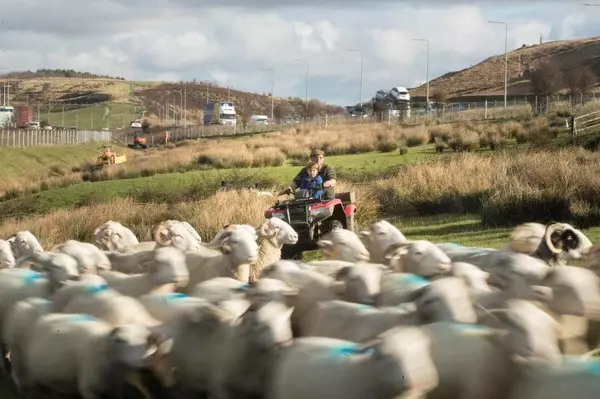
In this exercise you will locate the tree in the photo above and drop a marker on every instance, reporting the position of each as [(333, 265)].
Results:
[(314, 108), (281, 111), (580, 79), (439, 97), (244, 110), (379, 108), (545, 79)]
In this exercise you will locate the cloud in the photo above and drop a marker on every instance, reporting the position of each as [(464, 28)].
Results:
[(233, 43)]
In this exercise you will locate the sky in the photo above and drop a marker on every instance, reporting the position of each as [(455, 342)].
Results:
[(251, 44)]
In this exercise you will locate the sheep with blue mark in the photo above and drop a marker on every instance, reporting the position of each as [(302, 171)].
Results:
[(475, 278), (90, 258), (380, 238), (16, 334), (396, 364), (342, 244), (248, 349), (165, 306), (95, 358), (165, 272), (7, 258)]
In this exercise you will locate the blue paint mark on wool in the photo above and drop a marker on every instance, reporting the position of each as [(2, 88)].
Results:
[(347, 350), (450, 246), (469, 327), (96, 288), (81, 318), (413, 279), (591, 366), (244, 287), (31, 277), (174, 296)]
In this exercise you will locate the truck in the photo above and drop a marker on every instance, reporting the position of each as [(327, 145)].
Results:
[(23, 115), (219, 113), (7, 113)]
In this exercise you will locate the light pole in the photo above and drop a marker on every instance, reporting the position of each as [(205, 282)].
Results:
[(305, 81), (272, 89), (505, 57), (427, 69), (361, 74)]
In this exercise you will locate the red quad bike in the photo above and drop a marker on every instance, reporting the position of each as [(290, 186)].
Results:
[(312, 218)]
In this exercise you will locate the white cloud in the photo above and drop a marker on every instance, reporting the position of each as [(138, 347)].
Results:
[(181, 39)]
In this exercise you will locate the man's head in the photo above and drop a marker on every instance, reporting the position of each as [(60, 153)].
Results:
[(317, 156), (313, 168)]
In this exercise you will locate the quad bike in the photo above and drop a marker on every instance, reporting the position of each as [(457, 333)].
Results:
[(139, 140), (312, 218), (109, 157)]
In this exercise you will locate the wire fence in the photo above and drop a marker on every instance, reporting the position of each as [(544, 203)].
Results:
[(42, 137)]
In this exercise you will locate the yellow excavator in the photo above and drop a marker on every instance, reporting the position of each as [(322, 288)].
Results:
[(109, 157)]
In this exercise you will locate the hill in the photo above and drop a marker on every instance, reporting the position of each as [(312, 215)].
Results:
[(563, 57), (70, 98)]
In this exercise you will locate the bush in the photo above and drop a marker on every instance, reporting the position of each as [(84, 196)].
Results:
[(386, 145)]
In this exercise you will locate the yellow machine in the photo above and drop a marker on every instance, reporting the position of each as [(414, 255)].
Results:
[(109, 157)]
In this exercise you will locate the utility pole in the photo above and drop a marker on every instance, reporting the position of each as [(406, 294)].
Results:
[(361, 75), (505, 58), (427, 71), (185, 104), (272, 90), (305, 81)]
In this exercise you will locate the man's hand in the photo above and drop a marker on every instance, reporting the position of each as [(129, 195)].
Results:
[(286, 191), (329, 183)]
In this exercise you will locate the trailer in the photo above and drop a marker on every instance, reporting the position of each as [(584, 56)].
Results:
[(23, 116), (219, 113)]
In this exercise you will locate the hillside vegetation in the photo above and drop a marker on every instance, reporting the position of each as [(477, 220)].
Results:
[(487, 77)]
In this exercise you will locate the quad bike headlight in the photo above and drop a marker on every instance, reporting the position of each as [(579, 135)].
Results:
[(321, 212), (278, 215)]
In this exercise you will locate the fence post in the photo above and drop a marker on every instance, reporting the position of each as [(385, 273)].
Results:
[(573, 129)]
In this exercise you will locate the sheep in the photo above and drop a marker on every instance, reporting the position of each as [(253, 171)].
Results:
[(475, 278), (555, 243), (238, 250), (445, 299), (342, 244), (7, 258), (247, 350), (164, 307), (379, 238), (89, 257), (214, 243), (272, 235), (419, 257), (113, 236), (24, 243), (362, 282), (166, 272), (95, 357), (17, 330), (396, 363)]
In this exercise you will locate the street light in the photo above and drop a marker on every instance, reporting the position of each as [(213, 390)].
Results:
[(505, 58), (427, 73), (272, 88), (361, 74), (306, 80)]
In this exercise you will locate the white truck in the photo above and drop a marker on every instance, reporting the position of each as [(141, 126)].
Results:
[(219, 113)]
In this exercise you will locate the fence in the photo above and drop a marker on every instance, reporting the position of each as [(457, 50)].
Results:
[(584, 123), (41, 137)]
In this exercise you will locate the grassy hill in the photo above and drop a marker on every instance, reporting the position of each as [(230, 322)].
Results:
[(89, 101), (487, 77)]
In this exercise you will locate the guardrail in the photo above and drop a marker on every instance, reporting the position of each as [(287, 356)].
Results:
[(582, 123), (42, 137)]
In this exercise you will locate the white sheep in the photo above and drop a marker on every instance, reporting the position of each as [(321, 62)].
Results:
[(24, 243), (396, 364), (342, 244), (95, 357), (7, 258), (214, 243), (475, 278), (247, 350), (555, 243), (18, 324), (379, 238), (113, 236), (362, 282), (91, 259), (164, 306), (273, 234), (420, 257), (166, 272), (238, 250)]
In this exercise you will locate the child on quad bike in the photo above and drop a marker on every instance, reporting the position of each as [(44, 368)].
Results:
[(313, 182)]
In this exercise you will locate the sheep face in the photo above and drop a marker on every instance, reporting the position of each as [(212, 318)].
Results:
[(379, 238), (89, 257), (268, 325), (362, 283), (133, 345), (575, 291), (7, 258), (403, 356), (60, 267), (230, 228), (24, 243), (266, 290), (169, 267), (446, 299), (239, 245), (341, 244), (420, 257), (177, 234), (112, 236), (279, 230)]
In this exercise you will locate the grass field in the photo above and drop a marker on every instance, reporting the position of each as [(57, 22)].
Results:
[(92, 117)]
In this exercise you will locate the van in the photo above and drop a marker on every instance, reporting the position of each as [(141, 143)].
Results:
[(259, 119)]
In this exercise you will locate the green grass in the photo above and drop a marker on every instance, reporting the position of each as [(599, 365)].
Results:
[(92, 117)]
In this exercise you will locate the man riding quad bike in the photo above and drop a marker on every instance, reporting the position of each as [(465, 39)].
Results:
[(316, 209)]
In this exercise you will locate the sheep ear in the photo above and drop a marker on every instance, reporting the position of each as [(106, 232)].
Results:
[(364, 233), (343, 273), (265, 229), (326, 246), (226, 248), (339, 287)]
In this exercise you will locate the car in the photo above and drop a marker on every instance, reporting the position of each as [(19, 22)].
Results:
[(312, 218), (400, 93)]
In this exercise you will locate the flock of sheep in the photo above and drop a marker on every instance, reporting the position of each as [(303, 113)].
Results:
[(381, 316)]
